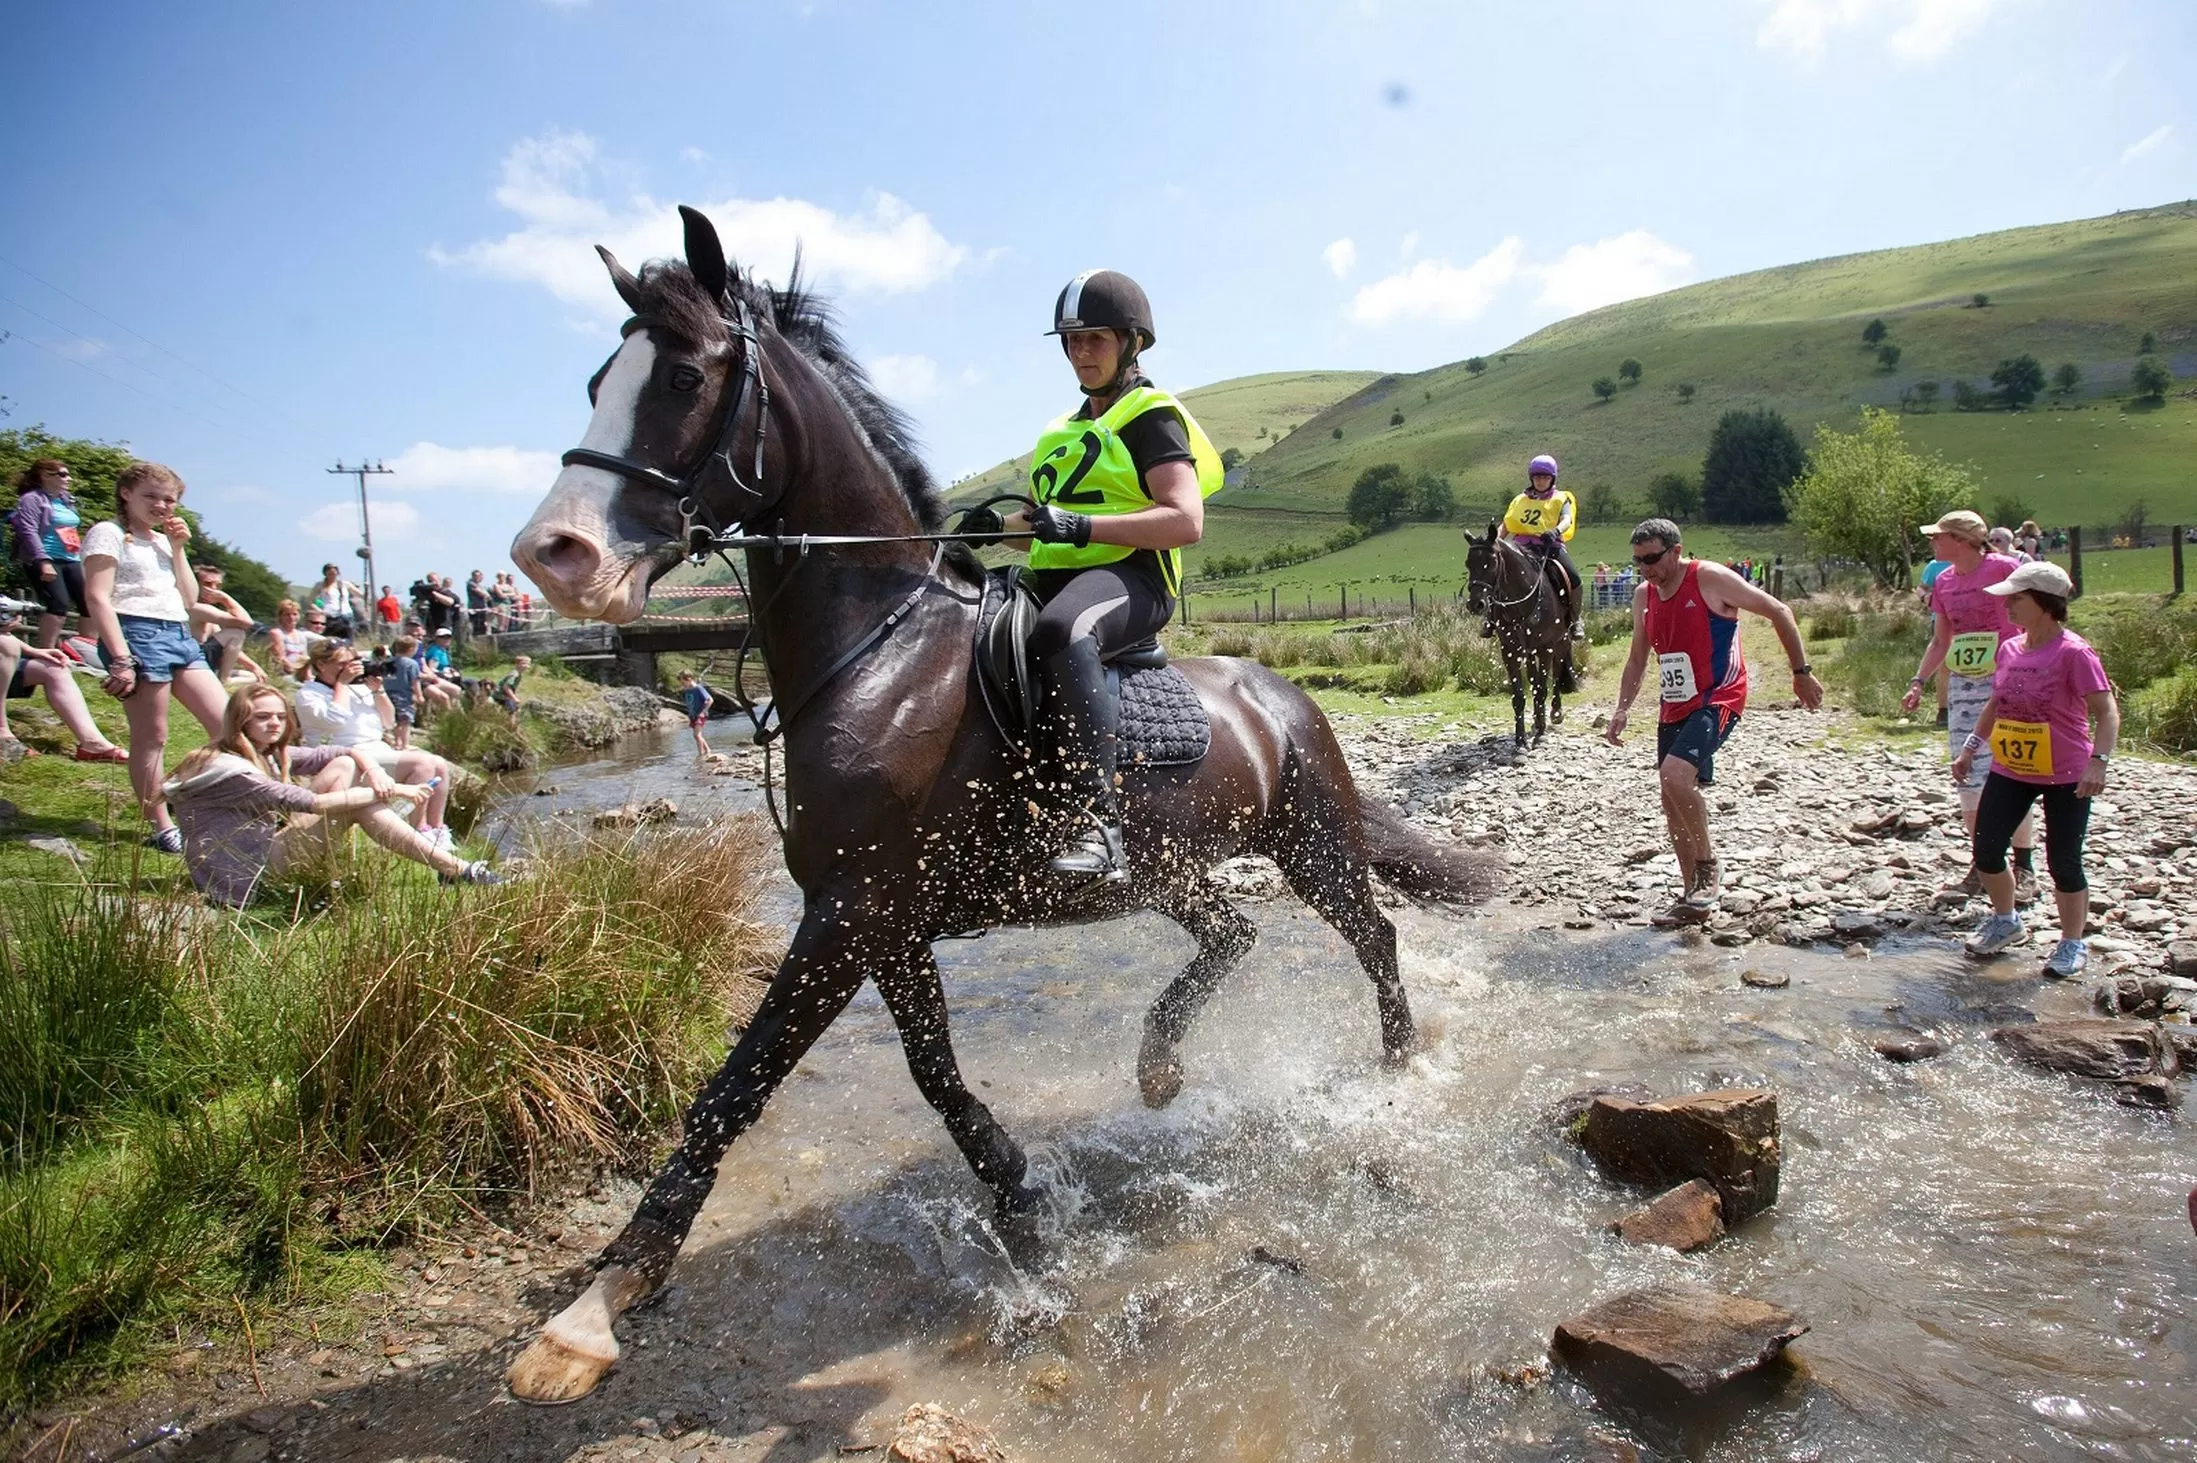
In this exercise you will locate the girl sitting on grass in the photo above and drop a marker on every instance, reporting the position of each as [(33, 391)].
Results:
[(244, 820)]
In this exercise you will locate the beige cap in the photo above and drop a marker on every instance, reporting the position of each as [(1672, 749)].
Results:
[(1962, 524), (2040, 576)]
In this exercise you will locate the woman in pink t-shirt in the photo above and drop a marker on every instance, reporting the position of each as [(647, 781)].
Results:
[(2048, 690), (1970, 625)]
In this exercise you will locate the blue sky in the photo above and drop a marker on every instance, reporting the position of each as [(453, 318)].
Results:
[(252, 239)]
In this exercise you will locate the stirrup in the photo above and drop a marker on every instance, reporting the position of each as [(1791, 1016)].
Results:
[(1095, 853)]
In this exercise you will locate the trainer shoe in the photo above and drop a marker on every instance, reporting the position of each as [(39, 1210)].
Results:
[(476, 872), (2068, 959), (165, 840), (1995, 934), (2025, 886), (1707, 890), (1970, 883), (439, 836)]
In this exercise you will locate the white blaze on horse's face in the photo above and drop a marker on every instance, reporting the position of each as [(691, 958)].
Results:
[(571, 546)]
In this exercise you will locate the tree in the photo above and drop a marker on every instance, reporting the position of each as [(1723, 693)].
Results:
[(2067, 380), (1231, 458), (1337, 434), (2150, 380), (1628, 371), (1685, 393), (1926, 392), (2019, 380), (1888, 356), (1753, 457), (2134, 519), (1674, 495), (1979, 301), (1476, 364), (1432, 498), (1874, 332), (1380, 497), (1604, 388), (2010, 511), (1968, 398), (1603, 505), (1396, 418), (2148, 344), (1866, 492), (1262, 432)]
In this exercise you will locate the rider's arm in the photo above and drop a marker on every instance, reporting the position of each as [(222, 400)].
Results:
[(1567, 516), (1175, 520)]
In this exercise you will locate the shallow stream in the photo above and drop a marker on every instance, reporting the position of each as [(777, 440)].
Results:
[(1995, 1264)]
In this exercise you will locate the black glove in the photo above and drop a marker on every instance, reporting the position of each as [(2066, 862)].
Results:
[(981, 520), (1051, 525)]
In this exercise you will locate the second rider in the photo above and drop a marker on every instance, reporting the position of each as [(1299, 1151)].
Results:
[(1120, 485)]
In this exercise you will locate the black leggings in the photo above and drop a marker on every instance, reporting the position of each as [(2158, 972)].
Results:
[(1116, 604), (2000, 809)]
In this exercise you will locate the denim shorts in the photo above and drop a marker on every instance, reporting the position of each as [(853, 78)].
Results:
[(161, 648)]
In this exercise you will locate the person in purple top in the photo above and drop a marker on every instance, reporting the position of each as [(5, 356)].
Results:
[(2048, 692), (49, 544)]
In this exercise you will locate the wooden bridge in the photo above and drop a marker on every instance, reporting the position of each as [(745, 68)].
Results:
[(619, 655)]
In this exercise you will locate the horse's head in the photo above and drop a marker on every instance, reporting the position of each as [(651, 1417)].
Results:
[(669, 442), (1479, 570)]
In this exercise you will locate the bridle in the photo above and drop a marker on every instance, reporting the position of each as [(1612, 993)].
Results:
[(1495, 576), (699, 530)]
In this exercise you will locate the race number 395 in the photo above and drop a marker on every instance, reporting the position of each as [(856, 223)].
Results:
[(1675, 669)]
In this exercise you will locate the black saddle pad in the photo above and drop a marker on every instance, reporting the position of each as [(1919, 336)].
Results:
[(1163, 723)]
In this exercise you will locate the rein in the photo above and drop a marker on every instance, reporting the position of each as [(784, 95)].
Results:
[(1533, 587)]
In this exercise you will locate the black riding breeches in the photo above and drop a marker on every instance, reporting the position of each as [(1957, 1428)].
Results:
[(1116, 604), (1562, 555), (2005, 801)]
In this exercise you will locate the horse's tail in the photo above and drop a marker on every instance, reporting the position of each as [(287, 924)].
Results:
[(1420, 869), (1567, 674)]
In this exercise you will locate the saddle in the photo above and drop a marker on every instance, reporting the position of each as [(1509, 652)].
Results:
[(1163, 723)]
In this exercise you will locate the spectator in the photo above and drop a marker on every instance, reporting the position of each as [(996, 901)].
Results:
[(526, 610), (336, 708), (243, 819), (332, 597), (477, 602), (402, 687), (316, 626), (505, 596), (1601, 586), (25, 668), (447, 604), (696, 697), (506, 693), (423, 601), (287, 641), (48, 544), (387, 612), (220, 624), (138, 593), (437, 693), (2029, 540), (2001, 541)]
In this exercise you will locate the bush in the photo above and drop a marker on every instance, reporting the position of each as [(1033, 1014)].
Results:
[(1834, 623), (2165, 715), (481, 733), (2150, 380), (2140, 648), (1873, 666), (1604, 388), (1396, 418)]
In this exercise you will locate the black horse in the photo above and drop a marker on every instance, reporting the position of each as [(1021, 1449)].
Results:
[(1518, 592), (909, 816)]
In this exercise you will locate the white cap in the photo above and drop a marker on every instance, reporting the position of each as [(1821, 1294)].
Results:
[(2040, 576)]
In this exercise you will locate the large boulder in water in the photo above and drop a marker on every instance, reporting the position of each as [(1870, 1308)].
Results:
[(2106, 1051), (1689, 1217), (1672, 1340), (1726, 1138)]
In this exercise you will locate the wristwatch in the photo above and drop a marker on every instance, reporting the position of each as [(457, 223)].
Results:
[(1803, 669)]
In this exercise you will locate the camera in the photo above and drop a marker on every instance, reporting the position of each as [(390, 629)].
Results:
[(15, 609), (381, 663)]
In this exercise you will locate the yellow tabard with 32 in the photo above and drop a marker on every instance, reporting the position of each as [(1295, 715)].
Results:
[(1974, 654), (2022, 746)]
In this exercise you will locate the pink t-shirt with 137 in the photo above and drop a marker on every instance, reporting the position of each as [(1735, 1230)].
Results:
[(2043, 691)]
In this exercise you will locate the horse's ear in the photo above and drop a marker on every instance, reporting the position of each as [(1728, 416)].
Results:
[(705, 256), (629, 288), (1491, 530)]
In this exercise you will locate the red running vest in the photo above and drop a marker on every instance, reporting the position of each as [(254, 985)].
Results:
[(1696, 651)]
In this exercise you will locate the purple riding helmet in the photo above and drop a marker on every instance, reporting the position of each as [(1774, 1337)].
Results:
[(1543, 463)]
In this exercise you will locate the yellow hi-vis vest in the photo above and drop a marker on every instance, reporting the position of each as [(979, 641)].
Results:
[(1083, 465), (1529, 517)]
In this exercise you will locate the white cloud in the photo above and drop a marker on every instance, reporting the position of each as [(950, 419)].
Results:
[(692, 154), (1914, 31), (554, 184), (1438, 289), (1622, 267), (2146, 143), (338, 523), (1409, 246), (1341, 257), (905, 378), (427, 467)]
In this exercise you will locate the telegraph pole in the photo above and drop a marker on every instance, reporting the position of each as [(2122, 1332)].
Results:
[(366, 524)]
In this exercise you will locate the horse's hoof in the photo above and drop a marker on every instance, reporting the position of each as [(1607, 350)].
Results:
[(1398, 1051), (552, 1372), (1159, 1074)]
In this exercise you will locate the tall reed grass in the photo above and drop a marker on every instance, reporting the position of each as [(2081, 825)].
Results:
[(199, 1105)]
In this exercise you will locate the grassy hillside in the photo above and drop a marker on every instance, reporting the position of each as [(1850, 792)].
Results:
[(1790, 338)]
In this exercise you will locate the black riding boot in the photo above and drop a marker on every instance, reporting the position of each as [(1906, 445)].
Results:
[(1084, 718)]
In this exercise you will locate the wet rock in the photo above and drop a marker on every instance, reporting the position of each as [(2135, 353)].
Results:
[(1856, 924), (928, 1433), (1765, 980), (2131, 995), (635, 815), (1741, 901), (1568, 1111), (2148, 1091), (547, 790), (2106, 1051), (1727, 1138), (1671, 1340), (1688, 1217), (1907, 1048)]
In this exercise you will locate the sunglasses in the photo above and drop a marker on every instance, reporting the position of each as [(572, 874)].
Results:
[(1644, 560)]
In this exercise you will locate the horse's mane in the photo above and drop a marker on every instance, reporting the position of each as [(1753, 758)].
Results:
[(804, 318)]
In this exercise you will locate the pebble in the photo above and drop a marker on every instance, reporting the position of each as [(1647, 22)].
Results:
[(1767, 980)]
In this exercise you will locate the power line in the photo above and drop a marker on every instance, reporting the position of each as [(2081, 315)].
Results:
[(102, 375)]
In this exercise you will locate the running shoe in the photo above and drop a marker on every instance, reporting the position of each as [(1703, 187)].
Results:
[(165, 840), (2025, 886), (2068, 959), (476, 872), (1995, 934), (439, 836), (1970, 883), (109, 753), (1707, 890)]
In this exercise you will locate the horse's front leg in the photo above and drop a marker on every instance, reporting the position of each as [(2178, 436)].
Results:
[(820, 974), (917, 1001), (1517, 672), (1540, 701)]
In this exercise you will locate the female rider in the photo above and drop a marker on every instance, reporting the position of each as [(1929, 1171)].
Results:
[(1120, 485), (2046, 692), (1546, 519), (1971, 625), (138, 593)]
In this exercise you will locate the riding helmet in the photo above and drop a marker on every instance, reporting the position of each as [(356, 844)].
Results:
[(1543, 463), (1104, 299)]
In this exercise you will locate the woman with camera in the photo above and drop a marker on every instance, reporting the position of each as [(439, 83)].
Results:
[(341, 704)]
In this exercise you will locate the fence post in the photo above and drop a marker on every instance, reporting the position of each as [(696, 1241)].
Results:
[(1777, 581), (1186, 606), (2179, 531), (1343, 591), (1273, 604), (1413, 591), (2075, 557)]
